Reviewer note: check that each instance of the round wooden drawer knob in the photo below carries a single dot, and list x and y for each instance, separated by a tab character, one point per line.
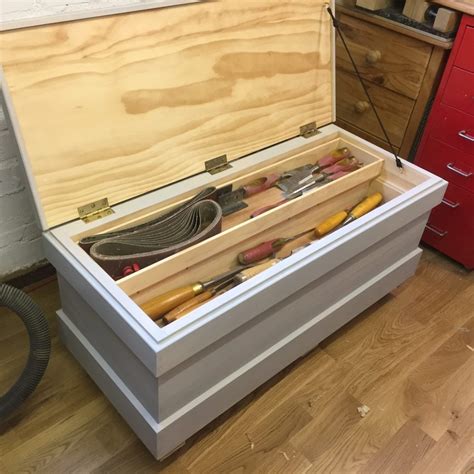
373	56
361	106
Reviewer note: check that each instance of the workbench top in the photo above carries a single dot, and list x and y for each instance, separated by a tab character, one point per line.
348	7
465	6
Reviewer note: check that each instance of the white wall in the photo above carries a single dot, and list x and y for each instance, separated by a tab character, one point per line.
20	246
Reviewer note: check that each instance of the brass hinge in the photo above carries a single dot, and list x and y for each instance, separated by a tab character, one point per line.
309	130
95	210
216	165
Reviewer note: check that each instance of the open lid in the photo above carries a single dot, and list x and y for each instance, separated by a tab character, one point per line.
121	105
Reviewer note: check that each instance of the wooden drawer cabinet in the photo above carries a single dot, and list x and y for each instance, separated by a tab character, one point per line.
400	67
447	149
353	107
384	57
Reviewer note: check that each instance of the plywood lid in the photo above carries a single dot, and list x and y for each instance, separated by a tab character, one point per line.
121	105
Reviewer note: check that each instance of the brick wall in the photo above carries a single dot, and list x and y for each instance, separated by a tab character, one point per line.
20	245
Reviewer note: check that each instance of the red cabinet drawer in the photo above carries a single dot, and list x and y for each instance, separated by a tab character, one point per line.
454	128
450	227
465	57
459	91
448	163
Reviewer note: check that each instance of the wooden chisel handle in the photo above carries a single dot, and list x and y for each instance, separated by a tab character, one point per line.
261	184
188	306
157	307
369	203
250	272
330	223
333	157
267	208
260	251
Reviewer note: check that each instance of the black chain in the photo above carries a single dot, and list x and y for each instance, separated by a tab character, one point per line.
338	29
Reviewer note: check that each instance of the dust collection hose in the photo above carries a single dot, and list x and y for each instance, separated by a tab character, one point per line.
40	347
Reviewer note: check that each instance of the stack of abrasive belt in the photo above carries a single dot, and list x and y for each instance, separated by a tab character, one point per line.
126	251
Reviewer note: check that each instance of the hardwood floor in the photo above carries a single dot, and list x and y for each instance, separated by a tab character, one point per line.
409	359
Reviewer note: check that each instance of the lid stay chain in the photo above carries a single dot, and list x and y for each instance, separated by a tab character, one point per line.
338	29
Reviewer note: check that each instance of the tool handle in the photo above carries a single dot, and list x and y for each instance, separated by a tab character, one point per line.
330	224
343	165
333	157
160	305
337	175
261	184
188	306
244	275
267	208
260	251
369	203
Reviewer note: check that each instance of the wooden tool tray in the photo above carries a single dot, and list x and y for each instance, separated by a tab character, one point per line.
219	253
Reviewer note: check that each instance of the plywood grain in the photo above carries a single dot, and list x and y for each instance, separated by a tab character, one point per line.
118	106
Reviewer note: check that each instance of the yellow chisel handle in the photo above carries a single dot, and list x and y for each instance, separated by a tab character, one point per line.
330	224
367	205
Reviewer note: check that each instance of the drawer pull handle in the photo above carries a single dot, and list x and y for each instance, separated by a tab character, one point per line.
464	134
439	233
462	173
450	204
361	106
373	56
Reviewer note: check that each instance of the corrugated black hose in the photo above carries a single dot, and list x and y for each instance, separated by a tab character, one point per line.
40	347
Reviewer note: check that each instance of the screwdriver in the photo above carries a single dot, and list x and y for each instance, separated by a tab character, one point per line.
188	306
268	248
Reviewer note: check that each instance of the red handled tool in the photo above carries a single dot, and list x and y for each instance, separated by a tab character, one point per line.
270	247
299	192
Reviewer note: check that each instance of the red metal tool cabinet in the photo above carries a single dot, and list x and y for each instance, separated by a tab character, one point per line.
447	149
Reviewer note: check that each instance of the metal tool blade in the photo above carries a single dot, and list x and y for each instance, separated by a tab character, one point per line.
291	180
232	201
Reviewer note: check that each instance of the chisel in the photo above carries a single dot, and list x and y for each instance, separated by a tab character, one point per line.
299	192
268	248
291	179
190	305
160	305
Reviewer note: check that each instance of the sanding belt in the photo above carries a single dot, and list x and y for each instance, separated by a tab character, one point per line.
144	244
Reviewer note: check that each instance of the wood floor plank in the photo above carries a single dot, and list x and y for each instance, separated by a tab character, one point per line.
443	382
454	450
406	358
402	452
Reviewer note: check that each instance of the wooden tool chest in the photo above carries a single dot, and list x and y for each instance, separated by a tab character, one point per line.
130	108
447	149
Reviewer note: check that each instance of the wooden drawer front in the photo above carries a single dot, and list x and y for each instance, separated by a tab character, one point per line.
450	227
389	59
459	92
352	106
465	57
448	163
454	128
